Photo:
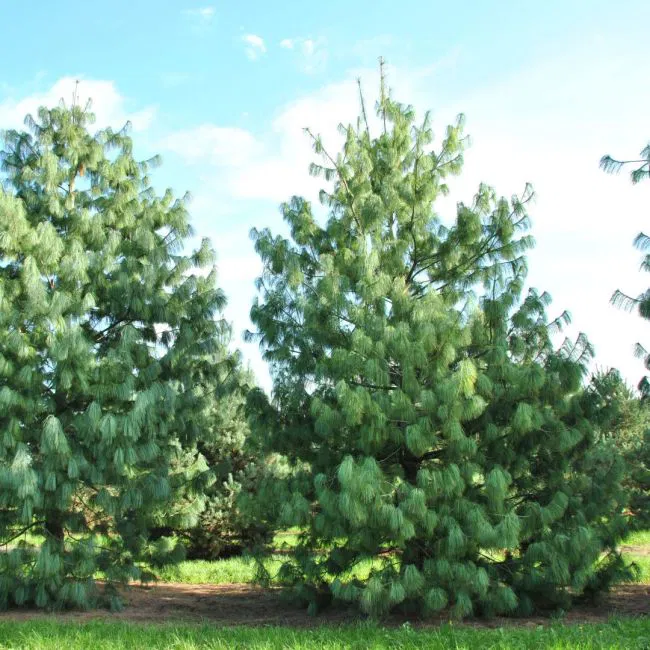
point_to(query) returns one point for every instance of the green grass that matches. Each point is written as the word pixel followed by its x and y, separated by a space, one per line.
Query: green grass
pixel 217 572
pixel 643 562
pixel 236 569
pixel 240 569
pixel 286 539
pixel 640 538
pixel 51 635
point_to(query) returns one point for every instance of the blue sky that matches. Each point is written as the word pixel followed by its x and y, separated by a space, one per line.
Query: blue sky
pixel 222 91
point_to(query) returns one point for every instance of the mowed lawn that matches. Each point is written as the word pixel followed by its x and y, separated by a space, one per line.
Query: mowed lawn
pixel 240 569
pixel 70 633
pixel 100 635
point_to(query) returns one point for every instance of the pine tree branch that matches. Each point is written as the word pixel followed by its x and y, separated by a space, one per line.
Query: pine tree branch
pixel 613 166
pixel 414 257
pixel 101 334
pixel 364 384
pixel 435 453
pixel 341 178
pixel 363 107
pixel 382 93
pixel 22 532
pixel 623 301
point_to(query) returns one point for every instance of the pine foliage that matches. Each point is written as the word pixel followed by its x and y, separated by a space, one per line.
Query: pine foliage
pixel 641 303
pixel 637 442
pixel 433 431
pixel 624 421
pixel 642 165
pixel 222 470
pixel 105 333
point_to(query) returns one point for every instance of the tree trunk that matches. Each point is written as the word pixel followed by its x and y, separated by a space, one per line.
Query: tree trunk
pixel 54 526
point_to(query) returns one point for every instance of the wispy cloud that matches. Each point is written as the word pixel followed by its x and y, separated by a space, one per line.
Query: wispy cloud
pixel 255 46
pixel 312 54
pixel 108 104
pixel 229 147
pixel 200 19
pixel 308 47
pixel 205 14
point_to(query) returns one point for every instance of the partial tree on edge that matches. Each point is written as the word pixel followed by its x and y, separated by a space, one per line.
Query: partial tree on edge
pixel 105 333
pixel 638 454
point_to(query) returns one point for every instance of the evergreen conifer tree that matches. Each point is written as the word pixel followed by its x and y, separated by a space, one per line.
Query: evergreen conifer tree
pixel 624 420
pixel 637 447
pixel 105 335
pixel 440 452
pixel 642 243
pixel 221 470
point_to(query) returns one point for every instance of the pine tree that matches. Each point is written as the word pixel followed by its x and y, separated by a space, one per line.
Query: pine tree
pixel 637 449
pixel 642 243
pixel 624 420
pixel 221 470
pixel 106 332
pixel 439 448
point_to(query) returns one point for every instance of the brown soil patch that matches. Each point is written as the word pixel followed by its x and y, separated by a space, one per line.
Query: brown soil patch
pixel 636 549
pixel 243 604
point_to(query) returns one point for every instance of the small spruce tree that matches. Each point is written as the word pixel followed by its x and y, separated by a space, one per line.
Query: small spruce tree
pixel 439 449
pixel 104 334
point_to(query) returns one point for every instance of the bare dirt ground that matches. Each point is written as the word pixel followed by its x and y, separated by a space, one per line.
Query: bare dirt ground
pixel 243 604
pixel 634 549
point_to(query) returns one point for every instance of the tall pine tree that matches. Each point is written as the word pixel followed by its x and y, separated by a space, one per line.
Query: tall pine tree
pixel 440 450
pixel 105 333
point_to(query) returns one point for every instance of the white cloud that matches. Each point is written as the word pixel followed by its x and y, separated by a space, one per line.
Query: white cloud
pixel 108 105
pixel 255 46
pixel 218 146
pixel 311 54
pixel 283 169
pixel 200 20
pixel 205 14
pixel 276 166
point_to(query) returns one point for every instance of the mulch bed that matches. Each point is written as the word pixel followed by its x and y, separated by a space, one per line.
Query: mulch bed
pixel 244 604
